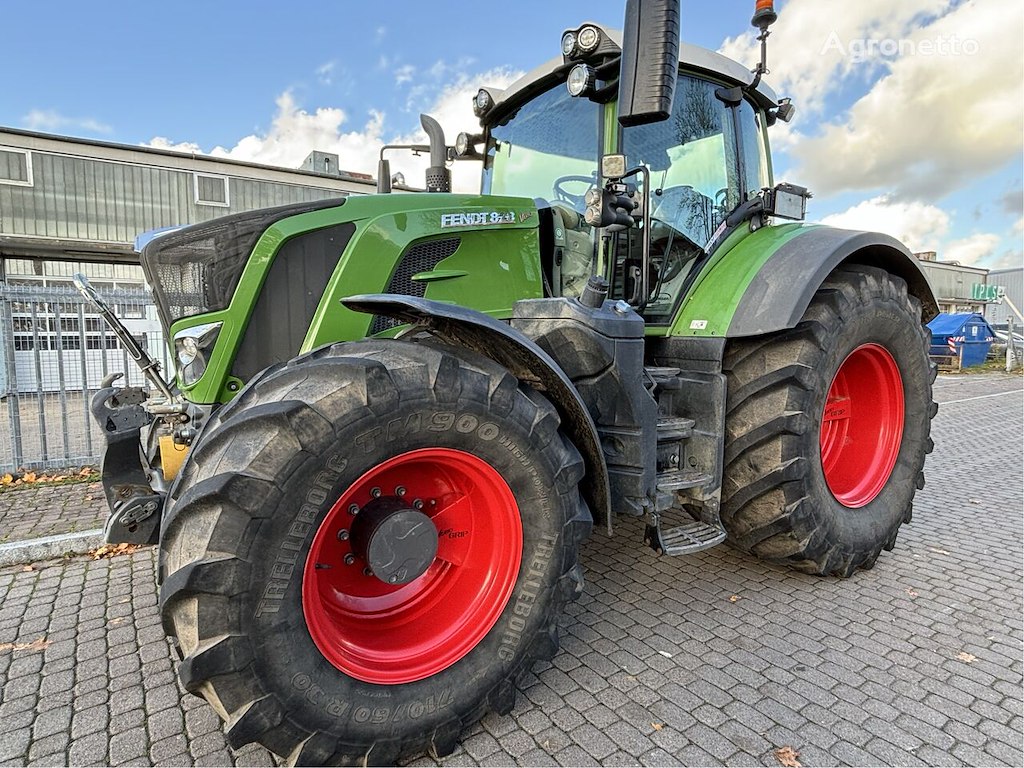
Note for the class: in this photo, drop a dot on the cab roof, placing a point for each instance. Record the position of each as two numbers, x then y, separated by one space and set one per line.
692 58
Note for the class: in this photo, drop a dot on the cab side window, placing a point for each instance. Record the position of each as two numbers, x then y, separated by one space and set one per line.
694 171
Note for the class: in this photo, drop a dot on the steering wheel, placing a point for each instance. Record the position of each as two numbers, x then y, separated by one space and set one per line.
565 196
671 250
677 247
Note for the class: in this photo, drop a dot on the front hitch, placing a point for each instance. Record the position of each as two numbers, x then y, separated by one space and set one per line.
134 506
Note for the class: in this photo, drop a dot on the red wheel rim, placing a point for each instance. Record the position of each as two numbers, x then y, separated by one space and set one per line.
862 425
391 634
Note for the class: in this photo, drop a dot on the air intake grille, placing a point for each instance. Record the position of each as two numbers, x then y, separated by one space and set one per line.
422 257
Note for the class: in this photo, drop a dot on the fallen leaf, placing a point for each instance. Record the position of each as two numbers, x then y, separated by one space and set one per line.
657 726
787 756
29 477
112 550
28 568
734 598
36 645
118 620
7 479
911 592
967 657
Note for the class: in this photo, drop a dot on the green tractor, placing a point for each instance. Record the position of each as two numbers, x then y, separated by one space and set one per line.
396 418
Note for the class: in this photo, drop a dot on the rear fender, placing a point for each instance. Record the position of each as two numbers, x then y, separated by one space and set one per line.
504 345
766 283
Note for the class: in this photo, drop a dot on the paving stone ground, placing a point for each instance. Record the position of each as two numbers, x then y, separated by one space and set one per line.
916 662
30 511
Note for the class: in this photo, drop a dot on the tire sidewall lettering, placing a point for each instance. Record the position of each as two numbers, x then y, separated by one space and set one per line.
365 705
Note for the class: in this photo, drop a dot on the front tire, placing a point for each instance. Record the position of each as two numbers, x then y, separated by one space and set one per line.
827 427
284 626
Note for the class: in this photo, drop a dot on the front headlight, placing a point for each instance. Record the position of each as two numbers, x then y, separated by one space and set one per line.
192 348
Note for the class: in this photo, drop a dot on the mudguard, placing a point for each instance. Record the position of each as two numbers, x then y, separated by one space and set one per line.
766 282
492 338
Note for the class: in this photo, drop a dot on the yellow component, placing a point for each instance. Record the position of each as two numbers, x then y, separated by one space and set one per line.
172 456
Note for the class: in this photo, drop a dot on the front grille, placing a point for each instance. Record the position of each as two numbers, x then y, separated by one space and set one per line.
291 294
197 269
421 257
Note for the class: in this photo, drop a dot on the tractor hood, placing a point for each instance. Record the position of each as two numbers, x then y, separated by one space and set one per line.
196 269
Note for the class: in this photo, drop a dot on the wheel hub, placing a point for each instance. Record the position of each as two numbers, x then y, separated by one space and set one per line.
397 542
412 565
862 425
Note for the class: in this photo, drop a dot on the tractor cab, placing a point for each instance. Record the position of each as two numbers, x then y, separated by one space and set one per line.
544 138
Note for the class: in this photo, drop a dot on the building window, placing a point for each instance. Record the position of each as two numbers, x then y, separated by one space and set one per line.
211 190
15 167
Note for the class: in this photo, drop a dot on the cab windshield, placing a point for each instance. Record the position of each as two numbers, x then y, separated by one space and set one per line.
550 150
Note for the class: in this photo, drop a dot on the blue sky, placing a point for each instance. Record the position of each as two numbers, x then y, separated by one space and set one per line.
918 137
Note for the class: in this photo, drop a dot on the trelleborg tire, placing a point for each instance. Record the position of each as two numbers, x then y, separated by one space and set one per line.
827 427
281 585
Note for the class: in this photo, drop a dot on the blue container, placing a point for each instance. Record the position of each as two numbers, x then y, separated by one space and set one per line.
966 335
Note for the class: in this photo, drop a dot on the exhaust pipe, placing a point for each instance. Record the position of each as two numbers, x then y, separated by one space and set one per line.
439 178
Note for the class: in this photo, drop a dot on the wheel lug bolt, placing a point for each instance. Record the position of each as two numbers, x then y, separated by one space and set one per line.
343 535
375 493
393 579
400 491
350 558
353 509
367 572
418 504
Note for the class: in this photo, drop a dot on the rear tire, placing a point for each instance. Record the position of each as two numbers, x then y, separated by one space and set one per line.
322 662
827 427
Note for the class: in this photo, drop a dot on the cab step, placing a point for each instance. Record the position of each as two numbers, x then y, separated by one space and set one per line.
681 479
673 428
692 536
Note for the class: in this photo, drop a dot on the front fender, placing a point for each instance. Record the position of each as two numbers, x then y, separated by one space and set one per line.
767 280
508 347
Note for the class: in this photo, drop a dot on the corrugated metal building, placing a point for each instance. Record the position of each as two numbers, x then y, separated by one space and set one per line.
82 199
1012 281
72 205
953 283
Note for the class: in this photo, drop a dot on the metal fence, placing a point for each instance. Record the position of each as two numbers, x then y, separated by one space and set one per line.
54 352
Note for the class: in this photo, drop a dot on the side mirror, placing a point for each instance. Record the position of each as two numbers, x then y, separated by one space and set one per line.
383 177
650 61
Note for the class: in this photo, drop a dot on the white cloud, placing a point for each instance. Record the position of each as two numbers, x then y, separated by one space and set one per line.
923 227
404 74
933 123
975 249
919 226
804 60
50 120
325 72
161 142
295 132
